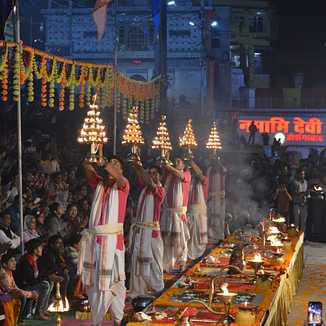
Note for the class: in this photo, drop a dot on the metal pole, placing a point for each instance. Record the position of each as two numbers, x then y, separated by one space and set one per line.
115 109
202 54
163 56
19 129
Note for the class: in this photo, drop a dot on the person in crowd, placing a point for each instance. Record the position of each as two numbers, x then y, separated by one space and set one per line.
282 199
216 174
299 195
13 210
72 252
197 213
174 215
145 242
49 164
6 234
28 277
55 222
53 266
12 304
59 190
30 227
252 133
73 224
102 248
84 212
41 228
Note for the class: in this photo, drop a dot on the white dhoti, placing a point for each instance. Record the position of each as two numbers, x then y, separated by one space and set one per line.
216 207
146 274
175 234
102 257
112 300
198 231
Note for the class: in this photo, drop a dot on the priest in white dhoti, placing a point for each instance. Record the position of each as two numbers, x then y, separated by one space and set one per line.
102 252
174 221
216 201
197 213
145 241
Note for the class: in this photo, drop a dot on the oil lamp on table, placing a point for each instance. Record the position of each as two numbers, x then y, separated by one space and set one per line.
246 314
58 306
256 263
227 298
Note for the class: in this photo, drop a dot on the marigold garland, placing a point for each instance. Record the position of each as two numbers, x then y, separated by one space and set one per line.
4 72
30 88
44 102
62 97
31 64
16 77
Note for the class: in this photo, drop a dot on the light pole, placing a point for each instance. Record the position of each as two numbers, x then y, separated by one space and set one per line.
115 104
19 125
163 56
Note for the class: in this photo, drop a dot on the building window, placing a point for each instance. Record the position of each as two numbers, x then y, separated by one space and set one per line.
136 39
257 24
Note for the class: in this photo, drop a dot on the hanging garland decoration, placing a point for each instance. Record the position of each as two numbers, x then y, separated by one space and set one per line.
57 75
4 73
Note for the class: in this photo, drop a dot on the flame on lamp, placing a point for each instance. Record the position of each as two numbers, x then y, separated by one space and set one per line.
257 257
224 288
59 306
276 243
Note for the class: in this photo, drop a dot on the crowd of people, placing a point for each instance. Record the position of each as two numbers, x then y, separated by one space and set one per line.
78 217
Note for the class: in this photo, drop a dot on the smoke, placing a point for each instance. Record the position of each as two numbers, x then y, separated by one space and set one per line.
248 183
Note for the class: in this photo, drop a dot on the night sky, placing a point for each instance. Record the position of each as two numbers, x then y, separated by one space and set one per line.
302 24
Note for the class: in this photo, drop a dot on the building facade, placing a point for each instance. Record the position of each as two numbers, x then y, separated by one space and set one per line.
215 47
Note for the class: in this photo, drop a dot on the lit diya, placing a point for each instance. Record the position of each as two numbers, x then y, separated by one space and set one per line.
246 314
58 306
226 297
256 263
276 243
279 220
273 230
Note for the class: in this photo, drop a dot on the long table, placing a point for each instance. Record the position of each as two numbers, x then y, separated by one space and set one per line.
273 303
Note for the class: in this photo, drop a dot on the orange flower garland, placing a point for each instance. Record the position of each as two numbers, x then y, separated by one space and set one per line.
79 77
4 72
44 102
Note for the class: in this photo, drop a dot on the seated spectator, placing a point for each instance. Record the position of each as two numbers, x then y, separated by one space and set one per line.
84 210
40 223
55 222
53 264
72 257
10 293
30 231
6 234
28 278
72 221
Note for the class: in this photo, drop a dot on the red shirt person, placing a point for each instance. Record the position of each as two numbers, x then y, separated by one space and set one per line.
145 242
101 262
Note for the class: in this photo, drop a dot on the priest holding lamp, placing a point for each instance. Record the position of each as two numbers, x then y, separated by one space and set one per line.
145 242
102 253
216 174
174 225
